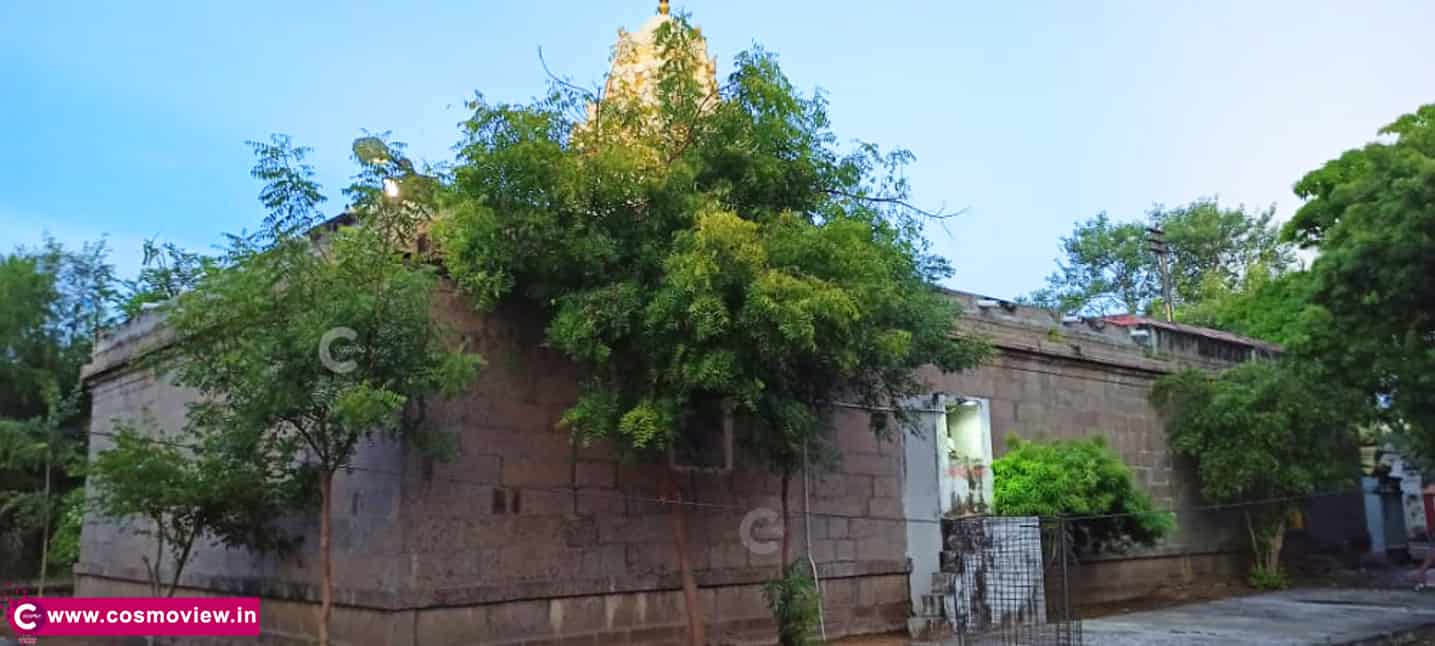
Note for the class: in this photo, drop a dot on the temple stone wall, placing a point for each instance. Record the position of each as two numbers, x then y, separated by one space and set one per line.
524 538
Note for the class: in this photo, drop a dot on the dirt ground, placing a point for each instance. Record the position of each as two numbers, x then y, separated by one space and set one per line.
893 639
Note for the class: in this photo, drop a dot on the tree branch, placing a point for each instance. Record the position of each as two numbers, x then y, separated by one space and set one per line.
940 214
592 96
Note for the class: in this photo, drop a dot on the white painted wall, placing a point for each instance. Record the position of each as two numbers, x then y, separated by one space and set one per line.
965 459
921 495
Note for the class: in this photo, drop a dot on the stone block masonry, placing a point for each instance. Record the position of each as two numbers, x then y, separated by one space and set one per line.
525 538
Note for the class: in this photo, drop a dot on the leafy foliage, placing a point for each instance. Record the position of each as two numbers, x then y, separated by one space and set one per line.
53 303
301 347
1272 308
1262 578
181 496
1107 267
290 193
795 605
691 245
1369 213
65 542
1263 431
1076 478
167 271
253 331
56 301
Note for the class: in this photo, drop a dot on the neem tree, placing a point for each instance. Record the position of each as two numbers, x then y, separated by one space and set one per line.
302 346
188 488
1265 435
692 244
1371 214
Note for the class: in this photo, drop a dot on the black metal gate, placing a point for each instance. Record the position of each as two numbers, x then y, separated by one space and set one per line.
1010 581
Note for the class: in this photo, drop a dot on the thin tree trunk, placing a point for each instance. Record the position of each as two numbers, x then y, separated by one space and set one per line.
154 575
182 560
786 526
1255 543
1267 555
1273 554
696 629
152 568
326 566
45 530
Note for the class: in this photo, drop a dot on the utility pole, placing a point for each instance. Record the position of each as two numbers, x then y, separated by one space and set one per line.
1156 241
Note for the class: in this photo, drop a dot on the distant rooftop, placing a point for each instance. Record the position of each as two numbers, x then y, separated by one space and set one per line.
1131 320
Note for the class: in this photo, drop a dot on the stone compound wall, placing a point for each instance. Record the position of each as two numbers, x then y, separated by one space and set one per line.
524 538
1050 381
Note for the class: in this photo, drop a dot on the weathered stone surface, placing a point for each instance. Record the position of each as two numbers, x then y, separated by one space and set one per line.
525 537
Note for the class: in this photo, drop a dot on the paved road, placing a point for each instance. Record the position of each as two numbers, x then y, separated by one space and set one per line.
1290 618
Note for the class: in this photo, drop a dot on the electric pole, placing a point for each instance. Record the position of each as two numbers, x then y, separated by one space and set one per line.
1156 239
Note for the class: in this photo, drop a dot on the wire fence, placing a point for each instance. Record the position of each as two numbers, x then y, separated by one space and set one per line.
1008 582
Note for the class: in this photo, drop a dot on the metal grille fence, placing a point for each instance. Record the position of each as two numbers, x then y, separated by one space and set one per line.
1011 581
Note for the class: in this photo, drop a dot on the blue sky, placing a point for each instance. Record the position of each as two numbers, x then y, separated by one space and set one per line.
128 119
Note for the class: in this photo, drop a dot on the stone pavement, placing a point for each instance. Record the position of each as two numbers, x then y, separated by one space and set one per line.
1288 618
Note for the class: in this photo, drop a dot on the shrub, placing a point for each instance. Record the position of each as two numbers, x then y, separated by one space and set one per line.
65 542
1078 478
794 603
1263 578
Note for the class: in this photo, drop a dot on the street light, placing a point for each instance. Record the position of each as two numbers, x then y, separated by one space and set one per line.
391 188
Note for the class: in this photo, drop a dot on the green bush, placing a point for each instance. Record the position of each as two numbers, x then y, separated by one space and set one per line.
1078 478
795 605
65 542
1262 578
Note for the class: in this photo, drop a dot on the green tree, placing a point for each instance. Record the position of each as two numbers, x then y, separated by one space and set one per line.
53 304
1271 308
1084 479
167 271
305 347
291 195
698 246
1369 214
1107 267
1272 432
185 494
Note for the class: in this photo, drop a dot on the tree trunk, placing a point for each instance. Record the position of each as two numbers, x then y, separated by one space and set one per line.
152 569
696 629
786 535
1266 551
45 529
1273 549
326 566
182 560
